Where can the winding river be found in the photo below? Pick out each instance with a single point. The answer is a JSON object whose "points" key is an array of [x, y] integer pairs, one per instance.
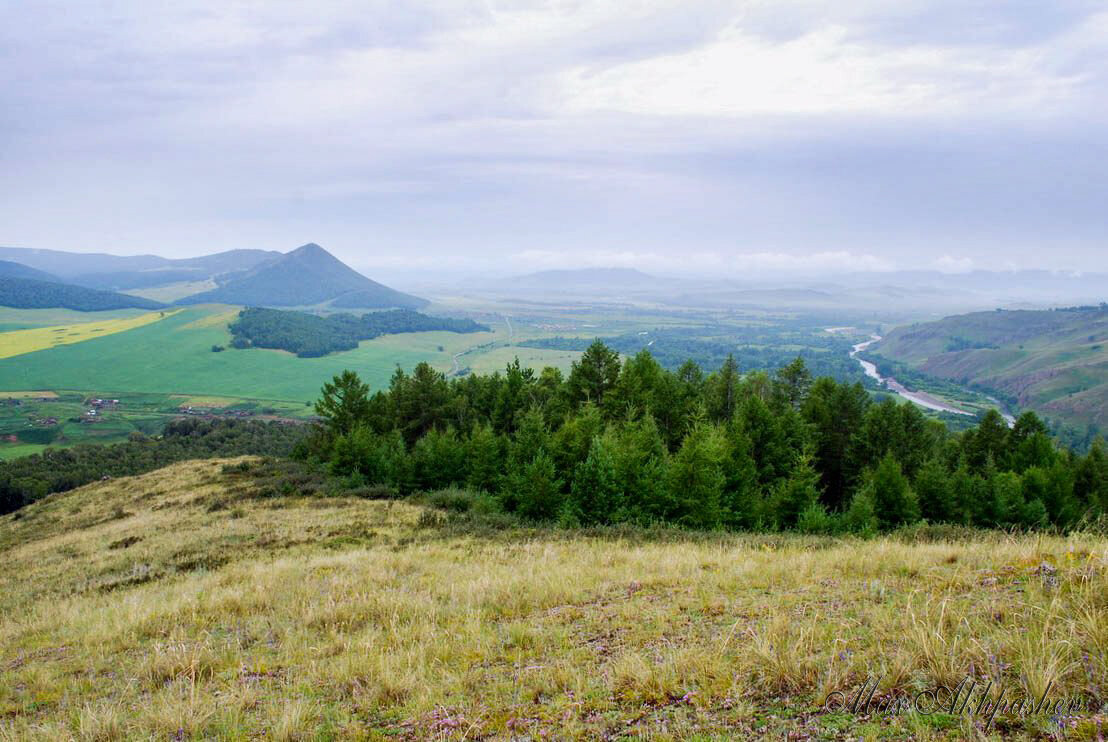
{"points": [[921, 398]]}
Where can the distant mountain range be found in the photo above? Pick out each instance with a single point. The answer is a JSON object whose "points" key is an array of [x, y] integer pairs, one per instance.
{"points": [[589, 279], [120, 273], [909, 293], [306, 277]]}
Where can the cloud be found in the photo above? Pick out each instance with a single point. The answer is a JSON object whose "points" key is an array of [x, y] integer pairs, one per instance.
{"points": [[948, 264], [823, 71], [759, 135]]}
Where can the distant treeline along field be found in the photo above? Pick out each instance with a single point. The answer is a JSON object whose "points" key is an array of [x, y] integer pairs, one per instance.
{"points": [[312, 335], [635, 443]]}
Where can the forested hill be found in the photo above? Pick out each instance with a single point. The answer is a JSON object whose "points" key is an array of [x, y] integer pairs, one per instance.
{"points": [[1053, 361], [23, 293], [307, 276], [9, 269], [311, 335]]}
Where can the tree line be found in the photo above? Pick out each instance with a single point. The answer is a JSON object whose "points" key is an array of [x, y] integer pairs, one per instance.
{"points": [[824, 354], [26, 293], [312, 335], [631, 441]]}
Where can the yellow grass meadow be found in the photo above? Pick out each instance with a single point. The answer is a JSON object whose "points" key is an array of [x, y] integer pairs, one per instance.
{"points": [[19, 342], [176, 605]]}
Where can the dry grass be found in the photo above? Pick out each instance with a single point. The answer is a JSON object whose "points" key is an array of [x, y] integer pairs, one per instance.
{"points": [[165, 606]]}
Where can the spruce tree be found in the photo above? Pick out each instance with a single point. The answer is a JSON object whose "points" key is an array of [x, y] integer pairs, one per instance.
{"points": [[538, 494], [596, 495], [696, 478], [894, 503], [797, 493]]}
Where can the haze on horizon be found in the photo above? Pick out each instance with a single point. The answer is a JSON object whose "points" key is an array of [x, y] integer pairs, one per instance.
{"points": [[495, 138]]}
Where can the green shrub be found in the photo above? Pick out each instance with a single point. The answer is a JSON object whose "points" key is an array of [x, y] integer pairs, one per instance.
{"points": [[815, 519]]}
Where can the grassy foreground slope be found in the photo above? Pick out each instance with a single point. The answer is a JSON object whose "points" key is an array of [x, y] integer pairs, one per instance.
{"points": [[174, 355], [1054, 362], [180, 605]]}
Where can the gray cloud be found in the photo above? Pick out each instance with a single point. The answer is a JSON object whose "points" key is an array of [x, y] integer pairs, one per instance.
{"points": [[685, 135]]}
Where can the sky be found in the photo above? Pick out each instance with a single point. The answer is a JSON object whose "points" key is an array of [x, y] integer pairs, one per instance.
{"points": [[493, 138]]}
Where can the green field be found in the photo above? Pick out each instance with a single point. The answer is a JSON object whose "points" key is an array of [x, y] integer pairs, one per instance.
{"points": [[143, 366], [21, 319], [175, 356]]}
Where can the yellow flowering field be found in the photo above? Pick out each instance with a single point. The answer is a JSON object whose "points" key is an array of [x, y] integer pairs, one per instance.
{"points": [[19, 342]]}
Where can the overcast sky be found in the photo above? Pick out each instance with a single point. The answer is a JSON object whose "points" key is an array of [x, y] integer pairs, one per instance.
{"points": [[496, 137]]}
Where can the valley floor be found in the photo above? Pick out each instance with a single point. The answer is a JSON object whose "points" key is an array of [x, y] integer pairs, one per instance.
{"points": [[179, 605]]}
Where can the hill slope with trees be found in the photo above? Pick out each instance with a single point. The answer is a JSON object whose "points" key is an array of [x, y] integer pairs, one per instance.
{"points": [[1054, 361], [23, 293], [8, 269]]}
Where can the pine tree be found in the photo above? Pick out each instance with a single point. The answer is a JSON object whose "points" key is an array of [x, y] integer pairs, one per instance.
{"points": [[641, 461], [355, 453], [571, 443], [636, 391], [932, 487], [835, 411], [486, 460], [438, 460], [797, 493], [343, 403], [596, 495], [860, 517], [592, 377], [696, 478], [792, 383], [723, 397], [539, 494], [1090, 486], [894, 503], [742, 503], [1008, 495]]}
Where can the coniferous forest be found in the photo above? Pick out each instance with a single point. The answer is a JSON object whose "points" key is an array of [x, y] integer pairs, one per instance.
{"points": [[312, 335], [635, 443]]}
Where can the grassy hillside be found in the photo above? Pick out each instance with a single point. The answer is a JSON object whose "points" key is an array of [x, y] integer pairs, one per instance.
{"points": [[180, 604], [1054, 362]]}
